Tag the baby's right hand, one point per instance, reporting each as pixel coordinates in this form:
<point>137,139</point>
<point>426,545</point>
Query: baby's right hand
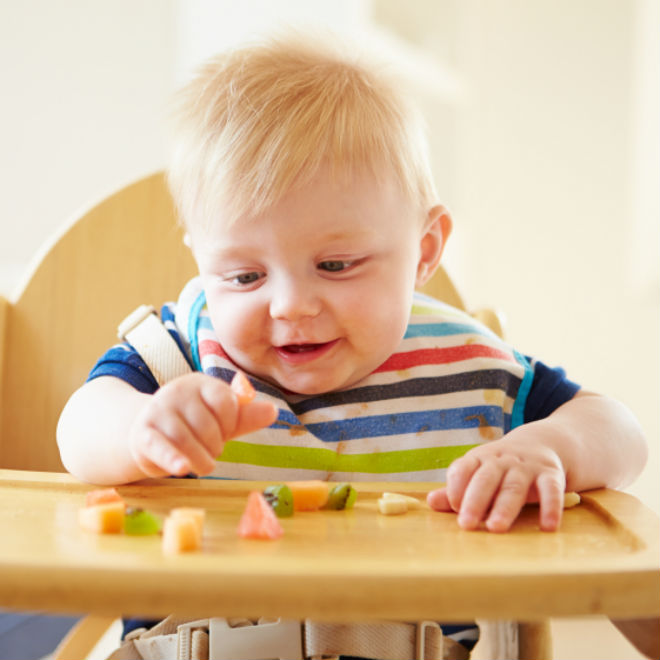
<point>186,423</point>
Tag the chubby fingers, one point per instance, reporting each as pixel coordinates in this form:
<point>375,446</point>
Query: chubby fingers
<point>187,422</point>
<point>495,493</point>
<point>181,429</point>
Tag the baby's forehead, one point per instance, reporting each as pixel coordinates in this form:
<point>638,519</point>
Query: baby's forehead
<point>330,192</point>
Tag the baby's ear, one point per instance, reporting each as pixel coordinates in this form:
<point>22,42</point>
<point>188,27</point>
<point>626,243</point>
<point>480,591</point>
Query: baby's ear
<point>435,233</point>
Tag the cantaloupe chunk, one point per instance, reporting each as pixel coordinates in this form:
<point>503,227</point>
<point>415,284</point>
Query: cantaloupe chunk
<point>197,514</point>
<point>107,518</point>
<point>309,495</point>
<point>242,388</point>
<point>180,534</point>
<point>259,520</point>
<point>102,496</point>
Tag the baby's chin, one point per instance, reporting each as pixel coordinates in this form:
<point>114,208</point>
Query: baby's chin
<point>312,386</point>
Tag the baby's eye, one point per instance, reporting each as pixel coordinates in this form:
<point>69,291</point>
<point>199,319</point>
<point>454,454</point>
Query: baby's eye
<point>334,265</point>
<point>244,279</point>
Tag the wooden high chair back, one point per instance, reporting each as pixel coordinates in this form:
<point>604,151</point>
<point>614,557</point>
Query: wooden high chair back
<point>126,251</point>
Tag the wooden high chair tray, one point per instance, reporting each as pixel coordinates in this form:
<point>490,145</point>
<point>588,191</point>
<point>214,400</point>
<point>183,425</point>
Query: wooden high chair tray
<point>334,565</point>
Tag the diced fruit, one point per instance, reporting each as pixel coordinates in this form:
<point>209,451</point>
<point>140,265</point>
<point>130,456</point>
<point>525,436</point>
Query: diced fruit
<point>259,520</point>
<point>280,498</point>
<point>180,534</point>
<point>309,495</point>
<point>341,496</point>
<point>102,496</point>
<point>413,502</point>
<point>242,388</point>
<point>391,506</point>
<point>107,518</point>
<point>196,513</point>
<point>139,522</point>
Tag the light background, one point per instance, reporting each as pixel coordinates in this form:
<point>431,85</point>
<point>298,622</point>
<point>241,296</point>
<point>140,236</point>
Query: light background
<point>543,121</point>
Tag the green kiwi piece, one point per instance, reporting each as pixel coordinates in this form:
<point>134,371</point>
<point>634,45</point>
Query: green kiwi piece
<point>138,522</point>
<point>280,498</point>
<point>342,496</point>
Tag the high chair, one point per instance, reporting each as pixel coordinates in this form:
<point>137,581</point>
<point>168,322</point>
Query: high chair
<point>125,251</point>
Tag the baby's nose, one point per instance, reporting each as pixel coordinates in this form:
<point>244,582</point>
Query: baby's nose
<point>294,300</point>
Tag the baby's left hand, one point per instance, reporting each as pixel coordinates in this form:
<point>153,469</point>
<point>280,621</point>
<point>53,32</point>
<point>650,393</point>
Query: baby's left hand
<point>494,481</point>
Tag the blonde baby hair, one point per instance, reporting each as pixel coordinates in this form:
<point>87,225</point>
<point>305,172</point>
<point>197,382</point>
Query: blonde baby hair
<point>260,119</point>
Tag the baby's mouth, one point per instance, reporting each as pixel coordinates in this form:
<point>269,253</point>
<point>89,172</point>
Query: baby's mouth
<point>299,353</point>
<point>300,348</point>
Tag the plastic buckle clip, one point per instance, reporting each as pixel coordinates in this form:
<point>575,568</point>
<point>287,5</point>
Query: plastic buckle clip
<point>133,320</point>
<point>420,645</point>
<point>278,639</point>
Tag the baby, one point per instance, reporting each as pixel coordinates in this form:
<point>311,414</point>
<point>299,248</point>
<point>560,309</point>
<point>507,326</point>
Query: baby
<point>302,179</point>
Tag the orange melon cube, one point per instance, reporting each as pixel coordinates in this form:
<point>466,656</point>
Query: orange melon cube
<point>198,515</point>
<point>309,495</point>
<point>102,496</point>
<point>107,518</point>
<point>180,534</point>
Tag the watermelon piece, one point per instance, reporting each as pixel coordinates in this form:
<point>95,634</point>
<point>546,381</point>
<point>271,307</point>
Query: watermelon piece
<point>309,495</point>
<point>106,518</point>
<point>259,520</point>
<point>242,388</point>
<point>102,496</point>
<point>180,534</point>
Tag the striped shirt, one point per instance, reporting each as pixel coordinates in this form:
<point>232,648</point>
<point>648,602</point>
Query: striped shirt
<point>451,385</point>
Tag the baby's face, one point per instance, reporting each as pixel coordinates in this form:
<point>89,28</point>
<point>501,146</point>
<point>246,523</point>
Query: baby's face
<point>315,293</point>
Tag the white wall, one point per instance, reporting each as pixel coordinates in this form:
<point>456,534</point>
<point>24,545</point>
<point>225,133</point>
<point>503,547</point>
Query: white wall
<point>83,88</point>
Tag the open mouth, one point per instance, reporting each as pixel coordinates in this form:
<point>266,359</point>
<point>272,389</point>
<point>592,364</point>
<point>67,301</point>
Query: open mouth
<point>299,353</point>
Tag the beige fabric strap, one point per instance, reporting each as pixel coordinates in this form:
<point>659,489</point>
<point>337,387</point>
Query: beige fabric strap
<point>187,639</point>
<point>385,641</point>
<point>144,330</point>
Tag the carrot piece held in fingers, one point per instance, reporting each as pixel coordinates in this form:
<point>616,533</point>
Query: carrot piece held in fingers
<point>242,388</point>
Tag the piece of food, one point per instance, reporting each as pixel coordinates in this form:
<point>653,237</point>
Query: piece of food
<point>309,495</point>
<point>259,520</point>
<point>413,502</point>
<point>138,522</point>
<point>106,518</point>
<point>180,534</point>
<point>280,498</point>
<point>102,496</point>
<point>393,505</point>
<point>242,388</point>
<point>196,513</point>
<point>571,499</point>
<point>341,496</point>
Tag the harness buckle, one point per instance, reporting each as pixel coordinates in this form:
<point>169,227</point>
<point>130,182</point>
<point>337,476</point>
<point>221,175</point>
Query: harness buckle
<point>279,639</point>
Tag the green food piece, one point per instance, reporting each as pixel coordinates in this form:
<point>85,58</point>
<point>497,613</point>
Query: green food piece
<point>139,522</point>
<point>342,496</point>
<point>280,498</point>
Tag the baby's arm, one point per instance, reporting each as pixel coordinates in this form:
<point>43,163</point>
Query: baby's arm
<point>589,442</point>
<point>110,433</point>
